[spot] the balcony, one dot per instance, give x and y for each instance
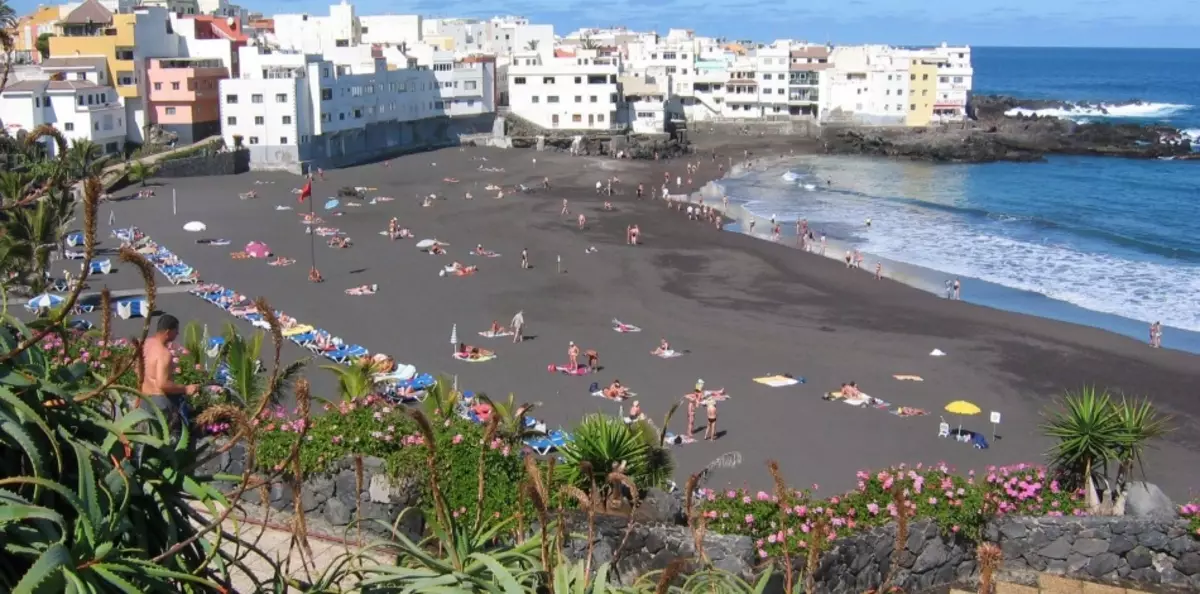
(190, 63)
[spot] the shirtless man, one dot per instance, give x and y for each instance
(572, 356)
(565, 212)
(157, 384)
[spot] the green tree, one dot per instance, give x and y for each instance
(85, 159)
(601, 445)
(29, 235)
(43, 44)
(140, 172)
(355, 381)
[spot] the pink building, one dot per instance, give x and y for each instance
(184, 96)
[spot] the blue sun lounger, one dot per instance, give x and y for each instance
(551, 442)
(79, 324)
(346, 353)
(75, 239)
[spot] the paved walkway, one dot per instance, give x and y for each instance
(274, 538)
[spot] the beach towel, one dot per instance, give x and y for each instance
(327, 231)
(623, 328)
(480, 358)
(628, 395)
(937, 353)
(216, 242)
(668, 354)
(580, 370)
(485, 254)
(301, 329)
(905, 411)
(360, 291)
(675, 439)
(909, 378)
(239, 256)
(779, 381)
(281, 262)
(500, 334)
(282, 207)
(860, 402)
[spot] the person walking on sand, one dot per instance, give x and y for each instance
(822, 244)
(878, 270)
(518, 326)
(957, 290)
(582, 221)
(849, 258)
(525, 258)
(1156, 335)
(321, 173)
(640, 190)
(949, 289)
(565, 212)
(572, 356)
(711, 433)
(546, 183)
(598, 186)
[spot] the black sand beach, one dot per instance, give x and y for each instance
(739, 306)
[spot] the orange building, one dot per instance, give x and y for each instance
(184, 96)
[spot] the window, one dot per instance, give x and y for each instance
(912, 77)
(174, 86)
(358, 114)
(578, 79)
(157, 86)
(231, 121)
(69, 126)
(256, 98)
(600, 117)
(547, 80)
(170, 111)
(912, 107)
(287, 119)
(366, 29)
(592, 99)
(469, 85)
(258, 120)
(958, 79)
(668, 55)
(324, 73)
(341, 116)
(576, 118)
(552, 99)
(281, 98)
(124, 54)
(612, 98)
(924, 77)
(253, 140)
(231, 99)
(924, 92)
(283, 140)
(766, 77)
(943, 79)
(520, 80)
(578, 99)
(326, 94)
(535, 99)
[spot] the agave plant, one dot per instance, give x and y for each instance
(602, 444)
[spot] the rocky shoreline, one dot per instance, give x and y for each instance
(995, 136)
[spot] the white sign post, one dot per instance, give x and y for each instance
(174, 205)
(559, 259)
(995, 421)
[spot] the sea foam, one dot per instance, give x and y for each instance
(1104, 110)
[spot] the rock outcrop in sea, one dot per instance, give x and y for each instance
(994, 135)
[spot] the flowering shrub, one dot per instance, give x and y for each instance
(101, 356)
(958, 504)
(369, 426)
(1191, 512)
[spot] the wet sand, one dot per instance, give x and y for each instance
(739, 306)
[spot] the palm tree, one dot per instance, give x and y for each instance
(442, 400)
(589, 43)
(356, 381)
(14, 185)
(532, 45)
(84, 159)
(140, 172)
(29, 235)
(511, 417)
(1140, 422)
(8, 24)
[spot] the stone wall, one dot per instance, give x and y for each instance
(216, 163)
(807, 128)
(1143, 550)
(1147, 550)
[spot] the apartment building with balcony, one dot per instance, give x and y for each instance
(741, 90)
(772, 66)
(78, 107)
(297, 111)
(126, 41)
(183, 96)
(806, 79)
(343, 28)
(922, 91)
(569, 90)
(25, 34)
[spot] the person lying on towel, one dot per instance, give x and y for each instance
(615, 391)
(664, 347)
(470, 352)
(497, 329)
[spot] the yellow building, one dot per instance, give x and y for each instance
(441, 42)
(91, 30)
(922, 90)
(29, 28)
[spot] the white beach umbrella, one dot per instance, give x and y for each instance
(195, 227)
(454, 337)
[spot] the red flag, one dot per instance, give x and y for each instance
(306, 191)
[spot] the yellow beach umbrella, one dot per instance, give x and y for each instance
(962, 407)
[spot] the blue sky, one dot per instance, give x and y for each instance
(1086, 23)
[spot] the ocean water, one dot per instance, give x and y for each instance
(1106, 242)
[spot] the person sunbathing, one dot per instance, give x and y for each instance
(427, 202)
(468, 196)
(496, 328)
(906, 411)
(635, 411)
(465, 270)
(615, 391)
(851, 391)
(405, 233)
(363, 290)
(607, 205)
(436, 249)
(314, 276)
(664, 347)
(479, 251)
(466, 351)
(450, 180)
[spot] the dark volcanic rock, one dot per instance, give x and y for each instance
(994, 136)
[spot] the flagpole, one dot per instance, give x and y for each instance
(312, 236)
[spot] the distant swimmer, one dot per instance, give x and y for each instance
(868, 222)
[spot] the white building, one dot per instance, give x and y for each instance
(772, 65)
(343, 28)
(871, 84)
(568, 90)
(463, 36)
(297, 111)
(955, 79)
(78, 107)
(506, 35)
(184, 7)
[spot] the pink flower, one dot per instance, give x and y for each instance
(746, 499)
(336, 439)
(457, 439)
(761, 496)
(762, 554)
(933, 501)
(749, 518)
